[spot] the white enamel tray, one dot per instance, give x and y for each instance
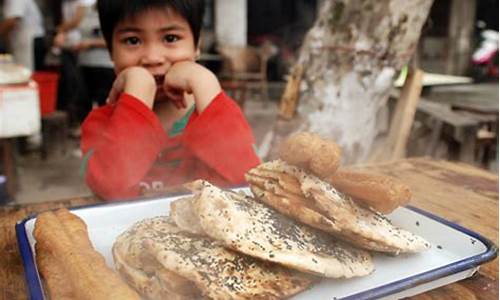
(456, 252)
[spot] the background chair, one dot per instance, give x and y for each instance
(236, 90)
(247, 65)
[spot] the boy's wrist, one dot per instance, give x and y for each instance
(205, 87)
(140, 84)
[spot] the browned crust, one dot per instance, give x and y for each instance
(382, 193)
(63, 237)
(310, 151)
(57, 284)
(321, 157)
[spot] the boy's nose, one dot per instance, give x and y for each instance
(152, 57)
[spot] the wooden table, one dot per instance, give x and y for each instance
(458, 192)
(434, 79)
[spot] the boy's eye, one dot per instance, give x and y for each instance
(170, 38)
(132, 40)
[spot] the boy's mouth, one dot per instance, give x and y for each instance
(159, 79)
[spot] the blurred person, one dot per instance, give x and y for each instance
(94, 62)
(167, 121)
(22, 26)
(71, 89)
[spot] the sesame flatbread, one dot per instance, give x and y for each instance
(214, 271)
(182, 214)
(351, 222)
(142, 271)
(247, 226)
(269, 191)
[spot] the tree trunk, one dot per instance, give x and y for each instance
(350, 58)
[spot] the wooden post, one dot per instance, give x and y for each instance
(402, 120)
(468, 145)
(435, 136)
(290, 96)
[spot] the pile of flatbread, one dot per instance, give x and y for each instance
(220, 244)
(305, 197)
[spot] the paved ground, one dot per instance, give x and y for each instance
(58, 177)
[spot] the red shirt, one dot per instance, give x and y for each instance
(127, 150)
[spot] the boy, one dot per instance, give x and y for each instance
(167, 120)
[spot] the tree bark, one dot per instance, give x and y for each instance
(350, 58)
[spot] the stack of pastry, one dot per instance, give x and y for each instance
(220, 244)
(225, 245)
(307, 184)
(309, 219)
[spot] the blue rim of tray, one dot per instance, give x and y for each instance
(36, 293)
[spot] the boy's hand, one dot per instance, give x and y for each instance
(137, 82)
(190, 77)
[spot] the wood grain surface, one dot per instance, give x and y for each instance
(457, 192)
(12, 283)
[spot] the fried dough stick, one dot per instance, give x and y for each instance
(381, 192)
(57, 282)
(64, 237)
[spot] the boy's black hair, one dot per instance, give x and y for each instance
(112, 12)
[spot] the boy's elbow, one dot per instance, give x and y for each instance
(111, 190)
(108, 182)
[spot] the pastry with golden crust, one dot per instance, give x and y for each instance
(71, 267)
(322, 157)
(310, 151)
(380, 192)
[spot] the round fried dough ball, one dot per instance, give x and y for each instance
(310, 151)
(299, 148)
(326, 160)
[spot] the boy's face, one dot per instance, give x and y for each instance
(153, 39)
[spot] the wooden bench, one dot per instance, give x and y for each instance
(461, 125)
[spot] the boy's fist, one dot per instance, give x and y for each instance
(182, 77)
(136, 81)
(192, 78)
(178, 81)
